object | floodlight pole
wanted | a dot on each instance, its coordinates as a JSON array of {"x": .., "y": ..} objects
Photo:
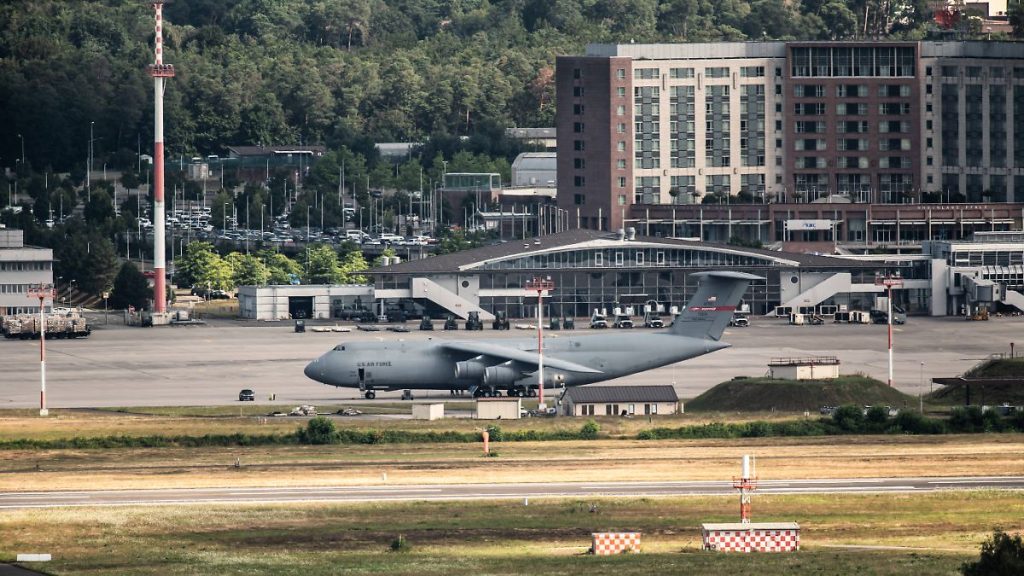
[
  {"x": 540, "y": 285},
  {"x": 42, "y": 291},
  {"x": 889, "y": 281}
]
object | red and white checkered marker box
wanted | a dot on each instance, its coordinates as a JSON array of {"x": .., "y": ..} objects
[
  {"x": 753, "y": 537},
  {"x": 608, "y": 543}
]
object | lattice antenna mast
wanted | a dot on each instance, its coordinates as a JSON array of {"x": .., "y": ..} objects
[{"x": 160, "y": 72}]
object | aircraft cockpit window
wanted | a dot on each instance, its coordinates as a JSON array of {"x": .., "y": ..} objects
[{"x": 339, "y": 348}]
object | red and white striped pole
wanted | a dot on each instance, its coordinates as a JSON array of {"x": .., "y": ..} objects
[
  {"x": 42, "y": 292},
  {"x": 159, "y": 71},
  {"x": 541, "y": 285}
]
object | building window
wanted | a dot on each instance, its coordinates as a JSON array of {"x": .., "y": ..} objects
[
  {"x": 577, "y": 91},
  {"x": 620, "y": 164},
  {"x": 620, "y": 91},
  {"x": 752, "y": 71},
  {"x": 578, "y": 145},
  {"x": 620, "y": 259},
  {"x": 717, "y": 72},
  {"x": 620, "y": 146},
  {"x": 578, "y": 181},
  {"x": 577, "y": 73},
  {"x": 577, "y": 109},
  {"x": 598, "y": 258},
  {"x": 620, "y": 110},
  {"x": 621, "y": 128},
  {"x": 677, "y": 73},
  {"x": 579, "y": 199},
  {"x": 577, "y": 127},
  {"x": 620, "y": 73},
  {"x": 646, "y": 73},
  {"x": 639, "y": 258},
  {"x": 622, "y": 181},
  {"x": 579, "y": 163}
]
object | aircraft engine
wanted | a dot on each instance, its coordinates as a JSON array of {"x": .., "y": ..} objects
[
  {"x": 500, "y": 376},
  {"x": 469, "y": 370}
]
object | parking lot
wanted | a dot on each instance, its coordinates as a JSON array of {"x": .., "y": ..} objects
[{"x": 208, "y": 365}]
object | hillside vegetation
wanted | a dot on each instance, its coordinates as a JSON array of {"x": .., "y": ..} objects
[{"x": 760, "y": 394}]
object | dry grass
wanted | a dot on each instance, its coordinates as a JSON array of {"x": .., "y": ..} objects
[
  {"x": 583, "y": 461},
  {"x": 932, "y": 534}
]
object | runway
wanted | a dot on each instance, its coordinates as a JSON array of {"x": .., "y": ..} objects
[{"x": 384, "y": 493}]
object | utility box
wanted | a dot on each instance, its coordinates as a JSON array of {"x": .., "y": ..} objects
[
  {"x": 432, "y": 411},
  {"x": 752, "y": 537},
  {"x": 498, "y": 408}
]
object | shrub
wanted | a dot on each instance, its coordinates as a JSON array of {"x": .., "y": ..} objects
[
  {"x": 1003, "y": 555},
  {"x": 400, "y": 544},
  {"x": 908, "y": 422},
  {"x": 495, "y": 433},
  {"x": 318, "y": 430},
  {"x": 849, "y": 418},
  {"x": 589, "y": 430}
]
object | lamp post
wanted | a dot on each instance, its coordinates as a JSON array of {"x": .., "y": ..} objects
[
  {"x": 22, "y": 148},
  {"x": 540, "y": 285},
  {"x": 42, "y": 292},
  {"x": 889, "y": 281},
  {"x": 224, "y": 221}
]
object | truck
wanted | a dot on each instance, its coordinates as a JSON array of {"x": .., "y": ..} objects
[
  {"x": 739, "y": 320},
  {"x": 653, "y": 320},
  {"x": 598, "y": 320},
  {"x": 26, "y": 326},
  {"x": 623, "y": 321}
]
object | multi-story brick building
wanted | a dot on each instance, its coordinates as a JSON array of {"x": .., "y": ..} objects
[{"x": 645, "y": 129}]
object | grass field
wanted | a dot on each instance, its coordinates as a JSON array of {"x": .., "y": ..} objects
[
  {"x": 763, "y": 394},
  {"x": 582, "y": 461},
  {"x": 861, "y": 534}
]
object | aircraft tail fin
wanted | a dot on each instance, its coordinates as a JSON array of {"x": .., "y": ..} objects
[{"x": 712, "y": 306}]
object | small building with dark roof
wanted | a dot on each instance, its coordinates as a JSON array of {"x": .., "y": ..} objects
[{"x": 619, "y": 400}]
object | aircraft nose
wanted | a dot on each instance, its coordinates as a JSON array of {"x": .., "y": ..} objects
[{"x": 312, "y": 370}]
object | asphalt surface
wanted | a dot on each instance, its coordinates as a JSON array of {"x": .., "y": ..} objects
[
  {"x": 208, "y": 365},
  {"x": 177, "y": 497}
]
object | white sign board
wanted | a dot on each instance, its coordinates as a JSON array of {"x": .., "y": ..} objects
[
  {"x": 809, "y": 224},
  {"x": 33, "y": 558}
]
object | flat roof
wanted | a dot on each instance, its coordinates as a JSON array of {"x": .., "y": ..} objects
[
  {"x": 751, "y": 526},
  {"x": 605, "y": 394}
]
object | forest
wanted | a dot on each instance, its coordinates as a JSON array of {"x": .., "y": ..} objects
[
  {"x": 341, "y": 72},
  {"x": 345, "y": 74}
]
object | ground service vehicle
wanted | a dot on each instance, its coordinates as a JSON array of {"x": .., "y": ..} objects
[
  {"x": 473, "y": 321},
  {"x": 450, "y": 323},
  {"x": 653, "y": 320},
  {"x": 739, "y": 320},
  {"x": 500, "y": 320},
  {"x": 598, "y": 321},
  {"x": 246, "y": 395},
  {"x": 623, "y": 321}
]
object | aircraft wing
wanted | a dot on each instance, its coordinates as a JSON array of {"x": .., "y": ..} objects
[{"x": 514, "y": 354}]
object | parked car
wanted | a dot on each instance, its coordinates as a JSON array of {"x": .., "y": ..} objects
[
  {"x": 623, "y": 321},
  {"x": 246, "y": 395}
]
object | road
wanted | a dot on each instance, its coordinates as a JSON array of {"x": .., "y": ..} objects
[
  {"x": 380, "y": 493},
  {"x": 208, "y": 365}
]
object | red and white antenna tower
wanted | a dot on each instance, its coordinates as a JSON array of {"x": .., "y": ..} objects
[
  {"x": 540, "y": 285},
  {"x": 746, "y": 483},
  {"x": 159, "y": 71},
  {"x": 42, "y": 291}
]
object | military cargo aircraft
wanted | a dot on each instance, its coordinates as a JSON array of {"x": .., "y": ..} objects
[{"x": 510, "y": 366}]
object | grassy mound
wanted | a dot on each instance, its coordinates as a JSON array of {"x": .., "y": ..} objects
[
  {"x": 998, "y": 368},
  {"x": 981, "y": 393},
  {"x": 760, "y": 394}
]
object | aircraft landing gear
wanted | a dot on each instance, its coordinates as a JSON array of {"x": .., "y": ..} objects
[
  {"x": 516, "y": 391},
  {"x": 370, "y": 394},
  {"x": 532, "y": 392}
]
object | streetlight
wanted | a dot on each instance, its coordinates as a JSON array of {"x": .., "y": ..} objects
[
  {"x": 931, "y": 385},
  {"x": 224, "y": 220},
  {"x": 22, "y": 148}
]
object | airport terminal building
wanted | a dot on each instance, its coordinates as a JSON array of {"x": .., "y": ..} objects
[{"x": 601, "y": 270}]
